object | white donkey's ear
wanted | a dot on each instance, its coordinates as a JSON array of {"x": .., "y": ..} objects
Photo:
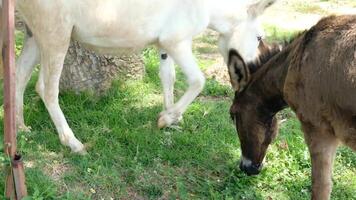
[
  {"x": 238, "y": 71},
  {"x": 258, "y": 8}
]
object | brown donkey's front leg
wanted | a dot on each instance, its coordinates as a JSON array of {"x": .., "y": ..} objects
[{"x": 322, "y": 145}]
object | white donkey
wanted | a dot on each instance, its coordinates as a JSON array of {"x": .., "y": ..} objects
[{"x": 109, "y": 26}]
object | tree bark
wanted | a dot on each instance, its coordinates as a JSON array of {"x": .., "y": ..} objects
[{"x": 85, "y": 71}]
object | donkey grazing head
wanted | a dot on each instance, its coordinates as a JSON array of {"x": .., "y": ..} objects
[
  {"x": 246, "y": 34},
  {"x": 253, "y": 114},
  {"x": 256, "y": 129}
]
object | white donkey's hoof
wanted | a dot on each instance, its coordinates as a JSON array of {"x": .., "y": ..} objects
[
  {"x": 77, "y": 147},
  {"x": 81, "y": 150},
  {"x": 166, "y": 119},
  {"x": 24, "y": 128}
]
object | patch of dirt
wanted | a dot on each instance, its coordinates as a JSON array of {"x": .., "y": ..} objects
[
  {"x": 55, "y": 167},
  {"x": 218, "y": 71},
  {"x": 206, "y": 48},
  {"x": 132, "y": 195},
  {"x": 56, "y": 170}
]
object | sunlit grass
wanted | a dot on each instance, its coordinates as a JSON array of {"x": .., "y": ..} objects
[
  {"x": 342, "y": 2},
  {"x": 307, "y": 8},
  {"x": 279, "y": 35}
]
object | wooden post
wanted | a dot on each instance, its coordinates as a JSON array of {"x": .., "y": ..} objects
[{"x": 15, "y": 181}]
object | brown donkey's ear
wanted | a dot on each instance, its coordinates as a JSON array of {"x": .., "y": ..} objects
[{"x": 238, "y": 71}]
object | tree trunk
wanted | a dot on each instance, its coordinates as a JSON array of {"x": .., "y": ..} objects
[{"x": 85, "y": 71}]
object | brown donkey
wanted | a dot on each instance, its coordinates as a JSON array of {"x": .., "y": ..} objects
[{"x": 315, "y": 75}]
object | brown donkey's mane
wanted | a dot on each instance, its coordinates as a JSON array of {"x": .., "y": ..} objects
[
  {"x": 268, "y": 51},
  {"x": 240, "y": 80},
  {"x": 276, "y": 52},
  {"x": 265, "y": 55}
]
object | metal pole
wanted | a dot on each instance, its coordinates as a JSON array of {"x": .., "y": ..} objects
[{"x": 15, "y": 181}]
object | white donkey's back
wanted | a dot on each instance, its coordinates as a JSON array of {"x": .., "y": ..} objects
[
  {"x": 117, "y": 24},
  {"x": 108, "y": 26},
  {"x": 112, "y": 24}
]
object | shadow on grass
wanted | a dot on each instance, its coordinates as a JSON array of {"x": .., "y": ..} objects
[{"x": 126, "y": 150}]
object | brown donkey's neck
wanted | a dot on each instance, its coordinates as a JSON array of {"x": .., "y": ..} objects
[{"x": 267, "y": 83}]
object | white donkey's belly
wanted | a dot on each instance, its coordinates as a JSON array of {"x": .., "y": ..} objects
[
  {"x": 113, "y": 24},
  {"x": 113, "y": 39},
  {"x": 118, "y": 24}
]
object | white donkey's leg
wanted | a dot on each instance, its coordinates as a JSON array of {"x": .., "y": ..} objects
[
  {"x": 167, "y": 75},
  {"x": 183, "y": 56},
  {"x": 25, "y": 63},
  {"x": 52, "y": 59}
]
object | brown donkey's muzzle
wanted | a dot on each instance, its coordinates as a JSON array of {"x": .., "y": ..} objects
[{"x": 253, "y": 169}]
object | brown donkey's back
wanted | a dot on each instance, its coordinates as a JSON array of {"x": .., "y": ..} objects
[
  {"x": 321, "y": 88},
  {"x": 321, "y": 82}
]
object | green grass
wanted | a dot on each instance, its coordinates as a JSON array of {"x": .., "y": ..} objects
[
  {"x": 129, "y": 158},
  {"x": 307, "y": 8},
  {"x": 314, "y": 7},
  {"x": 276, "y": 34},
  {"x": 206, "y": 44},
  {"x": 351, "y": 3}
]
